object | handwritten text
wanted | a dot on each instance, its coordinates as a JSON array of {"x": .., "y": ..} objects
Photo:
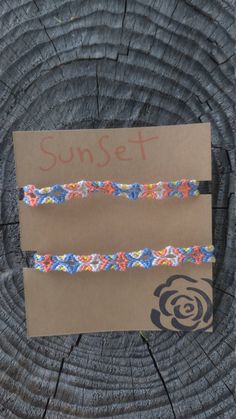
[{"x": 100, "y": 156}]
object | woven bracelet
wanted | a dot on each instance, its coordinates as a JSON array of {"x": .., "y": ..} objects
[
  {"x": 60, "y": 193},
  {"x": 121, "y": 261}
]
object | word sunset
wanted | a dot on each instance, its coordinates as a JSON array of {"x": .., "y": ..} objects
[{"x": 99, "y": 152}]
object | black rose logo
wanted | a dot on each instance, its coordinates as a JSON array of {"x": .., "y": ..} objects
[{"x": 183, "y": 305}]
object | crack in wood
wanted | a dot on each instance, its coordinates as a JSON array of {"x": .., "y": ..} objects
[
  {"x": 46, "y": 31},
  {"x": 64, "y": 358},
  {"x": 215, "y": 366},
  {"x": 159, "y": 372}
]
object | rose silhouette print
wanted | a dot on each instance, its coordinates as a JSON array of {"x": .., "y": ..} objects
[{"x": 183, "y": 305}]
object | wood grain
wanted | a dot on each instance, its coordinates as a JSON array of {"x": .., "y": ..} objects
[{"x": 84, "y": 64}]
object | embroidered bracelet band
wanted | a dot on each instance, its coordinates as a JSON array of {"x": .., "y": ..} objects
[
  {"x": 146, "y": 258},
  {"x": 60, "y": 193}
]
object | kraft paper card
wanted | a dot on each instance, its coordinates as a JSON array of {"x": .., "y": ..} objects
[{"x": 161, "y": 298}]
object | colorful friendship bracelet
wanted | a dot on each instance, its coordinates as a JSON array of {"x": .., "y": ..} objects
[
  {"x": 60, "y": 193},
  {"x": 120, "y": 261}
]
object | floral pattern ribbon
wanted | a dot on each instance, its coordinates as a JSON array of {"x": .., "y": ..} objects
[
  {"x": 57, "y": 194},
  {"x": 121, "y": 261}
]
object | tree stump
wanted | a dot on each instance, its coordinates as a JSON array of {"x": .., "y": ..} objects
[{"x": 93, "y": 64}]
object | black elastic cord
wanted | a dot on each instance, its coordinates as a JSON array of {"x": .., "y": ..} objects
[
  {"x": 20, "y": 194},
  {"x": 205, "y": 187}
]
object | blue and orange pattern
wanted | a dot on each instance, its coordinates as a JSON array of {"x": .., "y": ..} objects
[
  {"x": 57, "y": 194},
  {"x": 121, "y": 261}
]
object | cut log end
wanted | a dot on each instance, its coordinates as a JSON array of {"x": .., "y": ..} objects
[{"x": 71, "y": 65}]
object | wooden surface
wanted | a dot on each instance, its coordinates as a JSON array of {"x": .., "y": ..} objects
[{"x": 84, "y": 64}]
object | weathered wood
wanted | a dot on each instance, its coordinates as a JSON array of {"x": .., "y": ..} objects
[{"x": 76, "y": 64}]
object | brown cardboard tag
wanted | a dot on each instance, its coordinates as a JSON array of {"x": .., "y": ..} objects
[{"x": 160, "y": 298}]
